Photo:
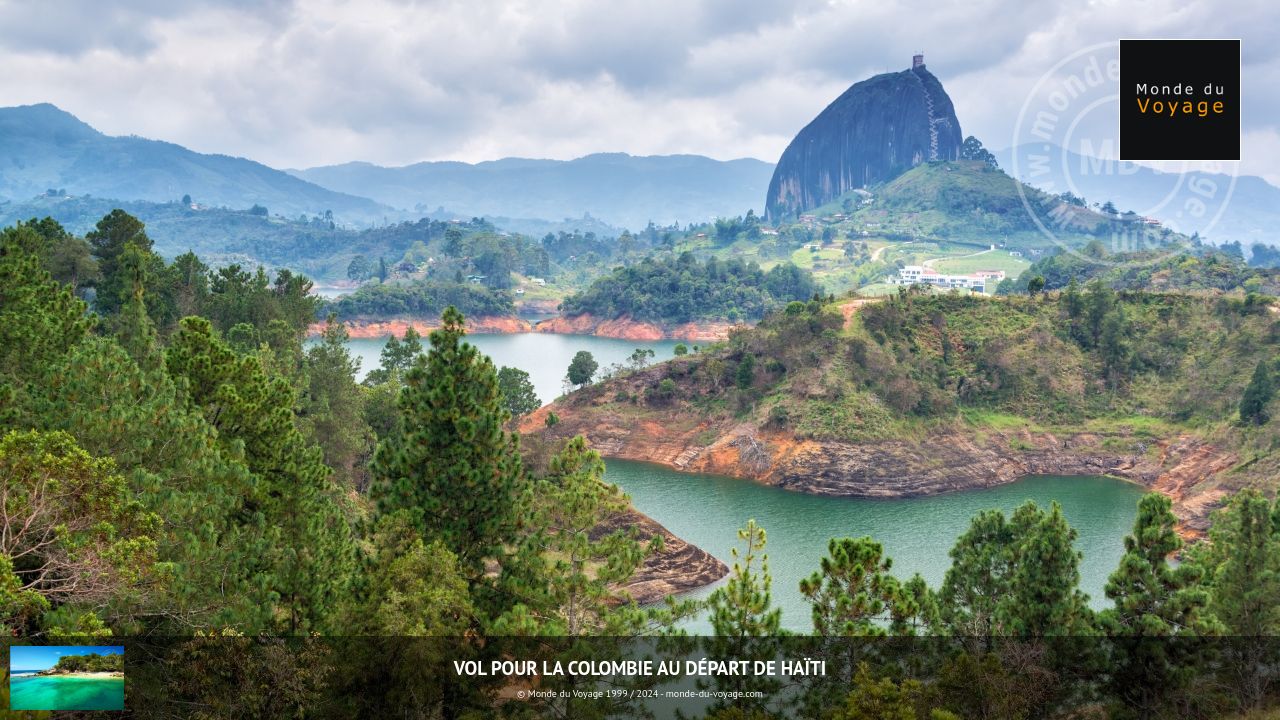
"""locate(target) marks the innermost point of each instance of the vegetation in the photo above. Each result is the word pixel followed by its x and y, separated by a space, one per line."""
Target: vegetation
pixel 905 364
pixel 581 369
pixel 421 298
pixel 92 662
pixel 1192 267
pixel 175 462
pixel 683 289
pixel 518 395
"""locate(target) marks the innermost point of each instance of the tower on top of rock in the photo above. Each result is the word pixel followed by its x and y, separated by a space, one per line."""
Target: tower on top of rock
pixel 917 61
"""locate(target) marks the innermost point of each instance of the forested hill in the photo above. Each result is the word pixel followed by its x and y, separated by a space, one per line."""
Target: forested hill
pixel 683 289
pixel 1198 267
pixel 923 393
pixel 422 299
pixel 321 248
pixel 1065 357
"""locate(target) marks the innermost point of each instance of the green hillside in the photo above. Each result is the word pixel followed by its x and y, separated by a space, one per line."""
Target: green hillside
pixel 1197 268
pixel 971 202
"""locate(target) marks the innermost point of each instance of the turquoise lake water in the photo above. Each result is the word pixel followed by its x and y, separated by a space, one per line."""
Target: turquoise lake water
pixel 917 533
pixel 66 693
pixel 708 510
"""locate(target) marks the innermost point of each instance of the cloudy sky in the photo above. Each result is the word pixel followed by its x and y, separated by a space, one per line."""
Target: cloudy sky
pixel 298 83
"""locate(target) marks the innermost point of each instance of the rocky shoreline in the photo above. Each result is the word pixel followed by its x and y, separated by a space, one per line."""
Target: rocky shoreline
pixel 370 328
pixel 679 567
pixel 381 328
pixel 627 329
pixel 1187 469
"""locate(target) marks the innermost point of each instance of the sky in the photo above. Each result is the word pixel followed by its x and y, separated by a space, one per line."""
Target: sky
pixel 43 657
pixel 301 83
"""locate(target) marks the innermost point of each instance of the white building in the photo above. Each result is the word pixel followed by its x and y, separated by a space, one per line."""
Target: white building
pixel 981 281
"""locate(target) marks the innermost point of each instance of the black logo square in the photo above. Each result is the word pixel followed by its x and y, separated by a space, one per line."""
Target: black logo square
pixel 1180 99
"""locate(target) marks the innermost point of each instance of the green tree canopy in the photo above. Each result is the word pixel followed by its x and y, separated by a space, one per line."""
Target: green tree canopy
pixel 582 368
pixel 518 395
pixel 453 468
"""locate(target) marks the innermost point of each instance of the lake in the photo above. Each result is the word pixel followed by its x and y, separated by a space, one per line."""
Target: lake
pixel 544 356
pixel 708 510
pixel 917 533
pixel 66 693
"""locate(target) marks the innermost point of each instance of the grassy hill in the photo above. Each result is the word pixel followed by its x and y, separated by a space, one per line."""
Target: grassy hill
pixel 970 202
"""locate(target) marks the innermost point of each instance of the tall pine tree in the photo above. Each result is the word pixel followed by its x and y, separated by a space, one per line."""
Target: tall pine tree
pixel 109 240
pixel 311 566
pixel 1156 607
pixel 452 468
pixel 854 594
pixel 1043 598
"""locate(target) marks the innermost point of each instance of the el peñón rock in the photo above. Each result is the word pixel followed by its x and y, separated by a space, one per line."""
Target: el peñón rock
pixel 875 131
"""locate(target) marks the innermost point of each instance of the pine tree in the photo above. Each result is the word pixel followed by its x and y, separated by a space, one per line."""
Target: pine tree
pixel 1153 602
pixel 1153 599
pixel 743 606
pixel 398 356
pixel 1043 598
pixel 1242 566
pixel 452 467
pixel 982 564
pixel 744 621
pixel 109 240
pixel 582 567
pixel 40 321
pixel 332 409
pixel 1257 395
pixel 312 565
pixel 212 544
pixel 1246 575
pixel 854 594
pixel 745 374
pixel 133 326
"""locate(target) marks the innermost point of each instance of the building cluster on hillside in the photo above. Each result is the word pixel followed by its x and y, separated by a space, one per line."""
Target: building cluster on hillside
pixel 981 281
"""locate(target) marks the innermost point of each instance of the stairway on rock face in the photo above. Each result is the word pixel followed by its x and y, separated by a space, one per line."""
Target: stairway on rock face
pixel 933 122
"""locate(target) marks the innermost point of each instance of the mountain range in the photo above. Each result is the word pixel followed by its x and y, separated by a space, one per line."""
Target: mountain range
pixel 43 147
pixel 622 190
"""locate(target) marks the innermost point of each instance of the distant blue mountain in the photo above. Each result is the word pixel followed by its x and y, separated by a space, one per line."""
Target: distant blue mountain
pixel 616 188
pixel 1252 214
pixel 43 147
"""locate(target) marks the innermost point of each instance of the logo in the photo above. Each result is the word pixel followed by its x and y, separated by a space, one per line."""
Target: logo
pixel 1066 144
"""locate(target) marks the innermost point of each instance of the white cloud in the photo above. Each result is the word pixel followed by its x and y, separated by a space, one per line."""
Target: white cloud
pixel 311 82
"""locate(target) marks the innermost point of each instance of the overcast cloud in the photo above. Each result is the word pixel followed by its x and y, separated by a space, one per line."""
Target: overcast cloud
pixel 314 82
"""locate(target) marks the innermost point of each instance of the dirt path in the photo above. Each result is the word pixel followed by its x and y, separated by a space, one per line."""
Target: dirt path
pixel 929 263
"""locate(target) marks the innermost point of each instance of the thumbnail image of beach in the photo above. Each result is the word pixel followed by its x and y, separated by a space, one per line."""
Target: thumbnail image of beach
pixel 66 677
